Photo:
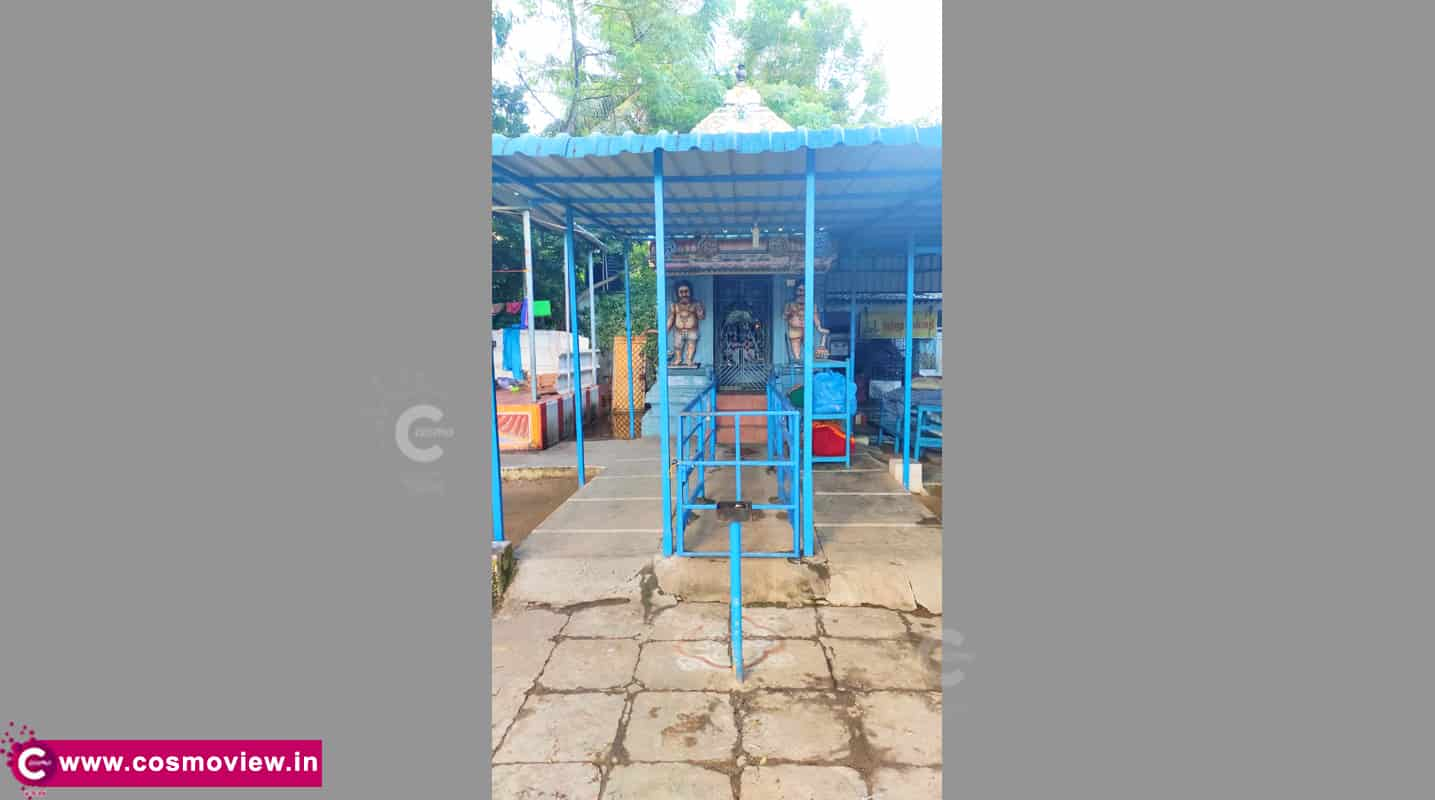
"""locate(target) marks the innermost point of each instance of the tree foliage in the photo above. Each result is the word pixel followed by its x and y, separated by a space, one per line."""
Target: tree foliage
pixel 631 65
pixel 807 60
pixel 509 107
pixel 648 65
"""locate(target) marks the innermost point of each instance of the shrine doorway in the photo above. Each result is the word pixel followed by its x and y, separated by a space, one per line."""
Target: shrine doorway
pixel 742 353
pixel 743 332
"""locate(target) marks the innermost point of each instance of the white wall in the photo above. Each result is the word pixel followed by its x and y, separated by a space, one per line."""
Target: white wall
pixel 551 345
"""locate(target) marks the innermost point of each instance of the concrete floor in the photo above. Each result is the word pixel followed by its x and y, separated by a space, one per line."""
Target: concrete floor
pixel 637 699
pixel 877 544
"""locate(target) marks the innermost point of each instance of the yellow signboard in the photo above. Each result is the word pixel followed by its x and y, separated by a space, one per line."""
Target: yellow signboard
pixel 889 322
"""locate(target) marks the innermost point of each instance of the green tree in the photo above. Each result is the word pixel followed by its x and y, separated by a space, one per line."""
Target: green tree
pixel 509 107
pixel 807 60
pixel 631 65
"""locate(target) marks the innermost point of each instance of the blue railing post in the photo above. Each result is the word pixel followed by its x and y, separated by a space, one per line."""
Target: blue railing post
pixel 737 453
pixel 808 350
pixel 660 242
pixel 572 284
pixel 851 360
pixel 683 471
pixel 628 325
pixel 907 365
pixel 528 296
pixel 734 535
pixel 496 485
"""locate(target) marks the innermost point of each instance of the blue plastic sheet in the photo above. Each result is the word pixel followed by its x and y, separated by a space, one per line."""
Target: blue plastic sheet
pixel 513 352
pixel 832 393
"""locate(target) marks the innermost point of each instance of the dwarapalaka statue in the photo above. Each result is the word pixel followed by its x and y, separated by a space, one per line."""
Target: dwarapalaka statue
pixel 684 317
pixel 793 313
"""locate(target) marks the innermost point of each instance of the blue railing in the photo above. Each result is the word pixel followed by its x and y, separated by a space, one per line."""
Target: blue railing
pixel 697 452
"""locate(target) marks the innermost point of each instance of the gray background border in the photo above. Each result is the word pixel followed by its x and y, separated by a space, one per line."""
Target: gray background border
pixel 1188 339
pixel 238 239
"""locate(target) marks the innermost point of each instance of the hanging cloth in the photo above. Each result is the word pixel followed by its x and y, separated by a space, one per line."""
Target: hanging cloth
pixel 513 352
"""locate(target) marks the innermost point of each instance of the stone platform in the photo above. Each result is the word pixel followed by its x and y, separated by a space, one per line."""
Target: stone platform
pixel 876 544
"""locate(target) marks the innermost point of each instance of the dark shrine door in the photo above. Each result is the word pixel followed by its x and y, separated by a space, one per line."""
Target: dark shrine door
pixel 743 329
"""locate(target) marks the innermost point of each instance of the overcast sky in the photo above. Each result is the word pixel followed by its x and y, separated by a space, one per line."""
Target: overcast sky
pixel 907 34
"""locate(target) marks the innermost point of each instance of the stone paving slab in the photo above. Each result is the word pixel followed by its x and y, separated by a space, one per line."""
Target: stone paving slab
pixel 517 662
pixel 681 726
pixel 930 627
pixel 866 665
pixel 886 540
pixel 764 580
pixel 773 622
pixel 591 664
pixel 893 567
pixel 546 782
pixel 855 582
pixel 610 621
pixel 572 580
pixel 653 781
pixel 707 665
pixel 801 782
pixel 884 509
pixel 503 711
pixel 563 727
pixel 903 727
pixel 514 623
pixel 861 623
pixel 700 665
pixel 806 726
pixel 637 545
pixel 691 621
pixel 853 481
pixel 784 664
pixel 599 515
pixel 606 486
pixel 907 783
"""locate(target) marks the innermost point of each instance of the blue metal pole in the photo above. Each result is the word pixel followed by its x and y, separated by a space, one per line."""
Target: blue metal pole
pixel 734 536
pixel 496 485
pixel 851 366
pixel 907 365
pixel 528 296
pixel 661 257
pixel 737 450
pixel 572 283
pixel 628 323
pixel 808 351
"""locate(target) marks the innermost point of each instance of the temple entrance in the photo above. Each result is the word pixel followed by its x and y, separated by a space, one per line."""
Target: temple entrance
pixel 743 330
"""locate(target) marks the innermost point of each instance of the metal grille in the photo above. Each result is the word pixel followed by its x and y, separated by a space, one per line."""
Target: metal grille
pixel 742 326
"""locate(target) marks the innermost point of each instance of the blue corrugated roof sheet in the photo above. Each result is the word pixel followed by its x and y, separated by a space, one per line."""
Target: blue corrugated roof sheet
pixel 751 143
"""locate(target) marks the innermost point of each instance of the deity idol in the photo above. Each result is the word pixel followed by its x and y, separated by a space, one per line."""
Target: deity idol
pixel 684 317
pixel 793 313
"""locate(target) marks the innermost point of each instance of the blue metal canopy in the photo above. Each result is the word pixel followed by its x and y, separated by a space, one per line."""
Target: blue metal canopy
pixel 874 185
